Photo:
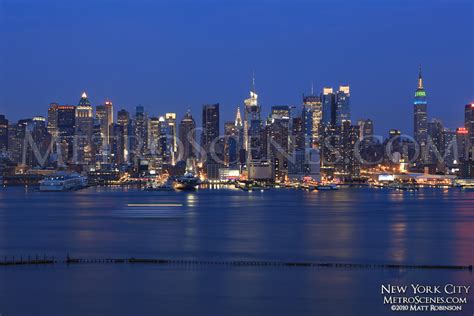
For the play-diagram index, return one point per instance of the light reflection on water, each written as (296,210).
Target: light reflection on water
(356,225)
(360,225)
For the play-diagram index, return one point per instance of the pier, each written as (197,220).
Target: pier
(44,260)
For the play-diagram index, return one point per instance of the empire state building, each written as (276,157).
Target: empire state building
(420,129)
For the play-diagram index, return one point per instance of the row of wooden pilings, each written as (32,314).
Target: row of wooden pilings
(45,260)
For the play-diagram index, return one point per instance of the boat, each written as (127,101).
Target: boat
(155,186)
(188,182)
(63,182)
(325,187)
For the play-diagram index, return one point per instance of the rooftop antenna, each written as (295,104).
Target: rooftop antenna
(253,81)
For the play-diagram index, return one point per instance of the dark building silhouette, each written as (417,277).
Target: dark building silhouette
(187,137)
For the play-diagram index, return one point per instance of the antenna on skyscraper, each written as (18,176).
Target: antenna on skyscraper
(420,78)
(312,88)
(253,81)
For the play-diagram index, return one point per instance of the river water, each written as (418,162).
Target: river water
(351,225)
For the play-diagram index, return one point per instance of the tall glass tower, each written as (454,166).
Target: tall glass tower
(252,126)
(312,116)
(343,109)
(420,130)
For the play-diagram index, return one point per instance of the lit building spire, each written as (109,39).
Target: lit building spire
(84,101)
(253,100)
(238,118)
(420,80)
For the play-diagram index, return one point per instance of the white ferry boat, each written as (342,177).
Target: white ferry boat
(63,182)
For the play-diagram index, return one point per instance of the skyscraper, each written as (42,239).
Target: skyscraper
(140,134)
(469,121)
(165,140)
(468,165)
(278,136)
(187,136)
(53,119)
(123,119)
(420,131)
(435,141)
(462,142)
(37,143)
(117,143)
(252,126)
(213,147)
(173,135)
(153,135)
(347,166)
(3,136)
(329,107)
(449,137)
(343,109)
(210,124)
(297,134)
(84,125)
(17,146)
(231,138)
(84,116)
(66,128)
(312,118)
(105,115)
(366,128)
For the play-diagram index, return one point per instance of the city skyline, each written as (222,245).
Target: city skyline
(266,109)
(163,66)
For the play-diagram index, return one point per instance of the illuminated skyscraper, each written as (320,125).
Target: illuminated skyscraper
(37,143)
(231,139)
(252,126)
(329,107)
(123,119)
(105,115)
(343,109)
(139,143)
(469,121)
(468,165)
(166,140)
(278,140)
(3,136)
(53,119)
(435,141)
(366,128)
(84,117)
(420,130)
(312,117)
(84,125)
(153,134)
(462,142)
(172,135)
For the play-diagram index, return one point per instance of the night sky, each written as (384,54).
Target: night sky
(171,55)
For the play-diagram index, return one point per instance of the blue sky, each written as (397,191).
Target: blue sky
(171,55)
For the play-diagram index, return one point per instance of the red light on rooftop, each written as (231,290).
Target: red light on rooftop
(462,130)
